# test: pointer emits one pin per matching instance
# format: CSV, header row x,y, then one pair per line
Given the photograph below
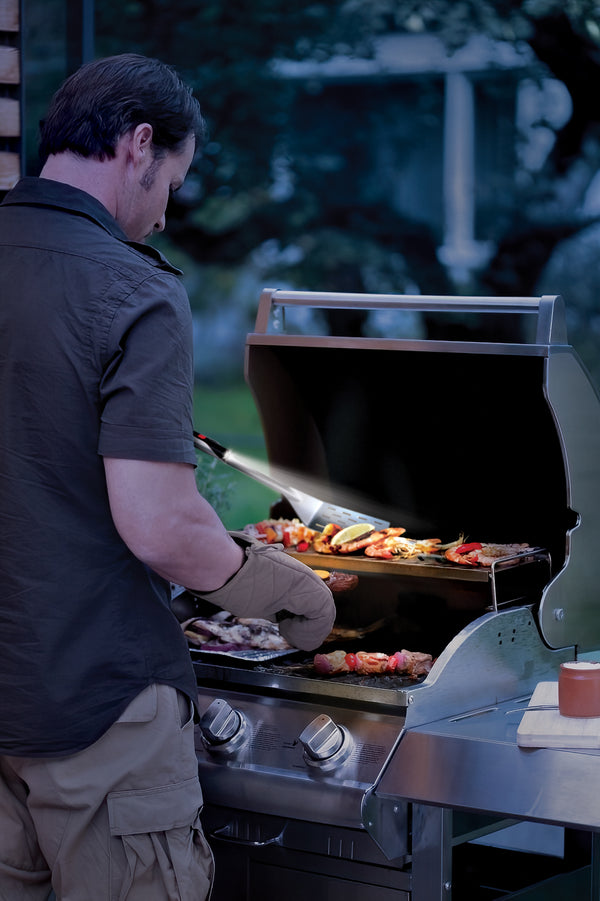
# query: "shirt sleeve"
x,y
146,392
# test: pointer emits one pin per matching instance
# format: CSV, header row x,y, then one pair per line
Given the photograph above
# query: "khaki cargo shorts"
x,y
119,821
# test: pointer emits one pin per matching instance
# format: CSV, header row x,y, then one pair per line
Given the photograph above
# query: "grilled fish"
x,y
231,633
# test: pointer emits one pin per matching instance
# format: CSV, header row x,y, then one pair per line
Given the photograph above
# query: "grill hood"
x,y
498,440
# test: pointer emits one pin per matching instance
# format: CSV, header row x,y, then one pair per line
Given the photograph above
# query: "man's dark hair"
x,y
109,97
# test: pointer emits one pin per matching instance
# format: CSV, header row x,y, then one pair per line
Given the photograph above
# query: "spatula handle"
x,y
209,446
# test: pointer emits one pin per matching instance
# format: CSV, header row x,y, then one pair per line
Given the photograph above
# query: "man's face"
x,y
155,181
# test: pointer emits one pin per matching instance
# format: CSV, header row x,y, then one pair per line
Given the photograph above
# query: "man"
x,y
99,511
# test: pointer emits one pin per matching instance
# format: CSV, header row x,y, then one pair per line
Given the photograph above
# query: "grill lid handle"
x,y
550,310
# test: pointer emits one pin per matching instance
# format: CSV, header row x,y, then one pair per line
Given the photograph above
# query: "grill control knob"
x,y
326,745
223,729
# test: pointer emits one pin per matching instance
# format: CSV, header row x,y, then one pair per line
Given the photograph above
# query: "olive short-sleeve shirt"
x,y
95,360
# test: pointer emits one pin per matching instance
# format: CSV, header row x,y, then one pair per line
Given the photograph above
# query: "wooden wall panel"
x,y
10,89
9,65
9,15
10,169
10,118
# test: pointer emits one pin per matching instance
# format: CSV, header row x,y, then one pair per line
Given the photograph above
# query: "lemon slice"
x,y
322,573
352,533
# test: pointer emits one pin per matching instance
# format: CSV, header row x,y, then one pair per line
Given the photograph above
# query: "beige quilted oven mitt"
x,y
272,585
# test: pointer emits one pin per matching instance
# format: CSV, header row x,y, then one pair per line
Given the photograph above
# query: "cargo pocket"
x,y
158,850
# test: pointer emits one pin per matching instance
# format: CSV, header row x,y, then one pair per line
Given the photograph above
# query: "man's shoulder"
x,y
81,226
153,257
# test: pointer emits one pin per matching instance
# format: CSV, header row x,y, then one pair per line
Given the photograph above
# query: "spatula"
x,y
312,511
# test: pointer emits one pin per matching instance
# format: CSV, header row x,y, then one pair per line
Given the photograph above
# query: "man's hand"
x,y
273,585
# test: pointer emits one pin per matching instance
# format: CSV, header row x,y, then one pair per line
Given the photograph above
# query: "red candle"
x,y
579,689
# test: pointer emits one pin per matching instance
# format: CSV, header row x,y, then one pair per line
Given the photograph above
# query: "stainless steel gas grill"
x,y
323,784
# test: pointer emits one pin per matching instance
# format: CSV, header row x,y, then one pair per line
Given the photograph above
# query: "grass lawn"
x,y
229,415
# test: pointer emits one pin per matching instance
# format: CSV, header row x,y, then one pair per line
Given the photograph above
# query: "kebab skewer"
x,y
411,663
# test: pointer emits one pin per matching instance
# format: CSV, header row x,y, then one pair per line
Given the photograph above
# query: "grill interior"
x,y
441,443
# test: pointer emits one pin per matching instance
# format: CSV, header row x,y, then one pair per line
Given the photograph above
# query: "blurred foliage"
x,y
233,211
236,497
229,415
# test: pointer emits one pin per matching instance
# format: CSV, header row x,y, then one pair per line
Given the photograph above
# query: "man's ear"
x,y
141,142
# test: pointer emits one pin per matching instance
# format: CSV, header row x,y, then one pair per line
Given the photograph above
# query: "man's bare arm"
x,y
164,520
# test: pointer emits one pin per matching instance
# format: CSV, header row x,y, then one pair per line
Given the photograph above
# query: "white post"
x,y
460,251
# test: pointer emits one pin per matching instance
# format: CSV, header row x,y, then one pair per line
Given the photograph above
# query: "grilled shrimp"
x,y
322,540
395,545
350,547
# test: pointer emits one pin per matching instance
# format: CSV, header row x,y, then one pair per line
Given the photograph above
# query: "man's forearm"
x,y
195,557
167,524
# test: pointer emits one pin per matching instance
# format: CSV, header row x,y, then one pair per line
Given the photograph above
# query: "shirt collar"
x,y
33,191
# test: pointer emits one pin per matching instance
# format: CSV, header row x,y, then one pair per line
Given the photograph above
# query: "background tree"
x,y
235,217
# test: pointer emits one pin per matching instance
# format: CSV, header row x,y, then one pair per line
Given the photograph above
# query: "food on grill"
x,y
384,543
394,545
337,581
352,533
479,554
322,540
288,532
412,663
361,544
225,632
362,538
